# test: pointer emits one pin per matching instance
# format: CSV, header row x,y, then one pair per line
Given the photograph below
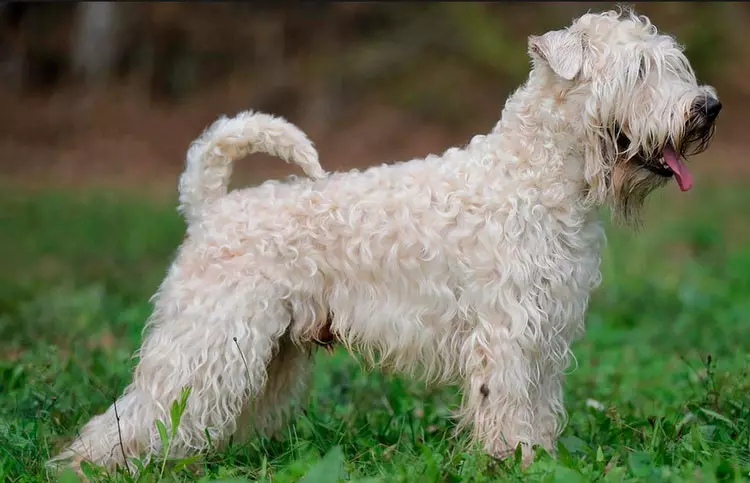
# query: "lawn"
x,y
660,391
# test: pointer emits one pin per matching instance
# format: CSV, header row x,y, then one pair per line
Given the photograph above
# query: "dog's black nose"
x,y
711,108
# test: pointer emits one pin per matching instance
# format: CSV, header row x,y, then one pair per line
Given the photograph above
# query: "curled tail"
x,y
210,157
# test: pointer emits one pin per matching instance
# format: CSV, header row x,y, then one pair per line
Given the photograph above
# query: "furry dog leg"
x,y
289,375
549,412
224,362
499,396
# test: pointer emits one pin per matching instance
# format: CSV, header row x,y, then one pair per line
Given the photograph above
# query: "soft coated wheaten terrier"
x,y
474,266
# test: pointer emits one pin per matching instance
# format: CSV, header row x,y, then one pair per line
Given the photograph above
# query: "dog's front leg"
x,y
549,412
501,395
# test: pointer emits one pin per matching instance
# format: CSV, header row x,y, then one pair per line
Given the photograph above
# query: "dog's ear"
x,y
562,50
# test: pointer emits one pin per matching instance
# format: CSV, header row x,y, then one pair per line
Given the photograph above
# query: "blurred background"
x,y
109,93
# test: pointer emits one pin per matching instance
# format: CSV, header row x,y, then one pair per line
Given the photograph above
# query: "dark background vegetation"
x,y
113,92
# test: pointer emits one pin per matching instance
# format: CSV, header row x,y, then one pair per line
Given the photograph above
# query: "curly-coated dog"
x,y
473,267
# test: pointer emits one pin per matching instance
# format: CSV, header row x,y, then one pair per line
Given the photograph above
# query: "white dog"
x,y
472,267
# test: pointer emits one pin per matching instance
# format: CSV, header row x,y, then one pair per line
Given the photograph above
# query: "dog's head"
x,y
642,109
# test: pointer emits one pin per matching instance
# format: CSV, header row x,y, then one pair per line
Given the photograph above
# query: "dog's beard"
x,y
634,177
632,182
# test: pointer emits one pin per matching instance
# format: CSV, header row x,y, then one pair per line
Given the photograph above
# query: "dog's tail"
x,y
210,157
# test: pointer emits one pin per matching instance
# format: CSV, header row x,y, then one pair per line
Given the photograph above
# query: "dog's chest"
x,y
535,274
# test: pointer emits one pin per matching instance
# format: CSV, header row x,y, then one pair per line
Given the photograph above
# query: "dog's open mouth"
x,y
666,163
670,164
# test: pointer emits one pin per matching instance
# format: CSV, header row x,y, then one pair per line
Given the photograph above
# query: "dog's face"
x,y
642,109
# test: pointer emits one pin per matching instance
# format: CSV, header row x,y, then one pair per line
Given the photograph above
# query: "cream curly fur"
x,y
210,157
474,266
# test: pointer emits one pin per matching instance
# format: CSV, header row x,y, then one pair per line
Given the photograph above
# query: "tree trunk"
x,y
96,40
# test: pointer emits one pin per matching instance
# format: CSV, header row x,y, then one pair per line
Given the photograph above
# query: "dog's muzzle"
x,y
668,161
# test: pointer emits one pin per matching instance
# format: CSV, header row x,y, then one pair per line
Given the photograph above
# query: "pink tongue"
x,y
681,172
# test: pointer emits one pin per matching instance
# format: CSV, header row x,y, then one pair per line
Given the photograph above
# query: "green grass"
x,y
666,354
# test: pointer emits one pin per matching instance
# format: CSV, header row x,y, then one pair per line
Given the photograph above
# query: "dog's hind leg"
x,y
216,343
289,375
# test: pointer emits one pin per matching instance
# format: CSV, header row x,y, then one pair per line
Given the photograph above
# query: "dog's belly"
x,y
408,329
